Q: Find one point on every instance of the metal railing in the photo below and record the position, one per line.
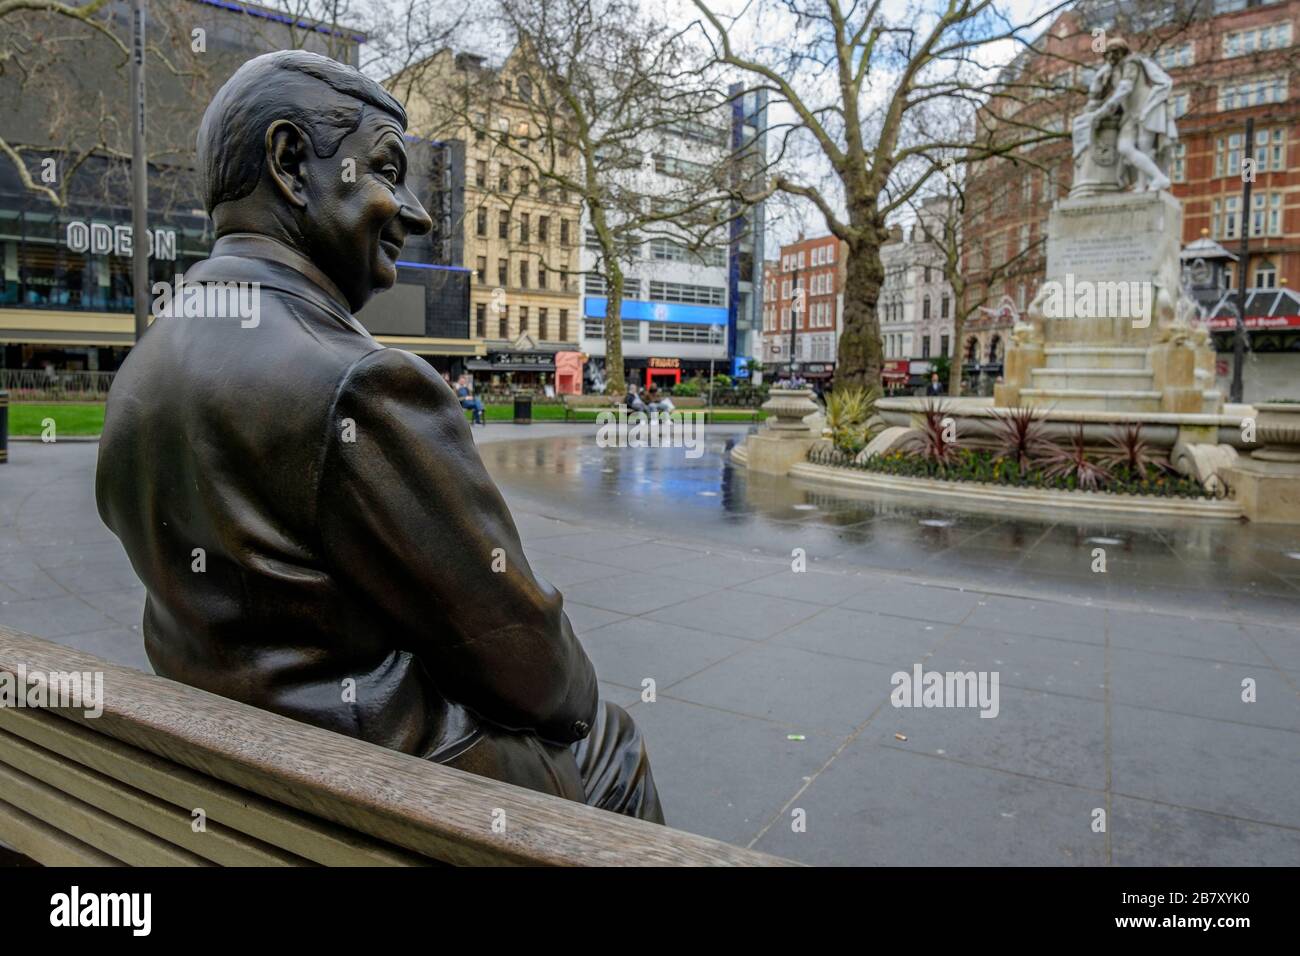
(27, 384)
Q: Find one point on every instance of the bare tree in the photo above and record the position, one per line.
(859, 80)
(605, 103)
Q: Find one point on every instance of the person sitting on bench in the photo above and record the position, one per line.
(468, 400)
(314, 528)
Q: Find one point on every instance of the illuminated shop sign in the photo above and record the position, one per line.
(635, 309)
(102, 239)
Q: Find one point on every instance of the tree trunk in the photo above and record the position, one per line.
(859, 360)
(958, 330)
(614, 381)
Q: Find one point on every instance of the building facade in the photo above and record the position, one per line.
(803, 308)
(519, 240)
(916, 306)
(689, 308)
(1230, 60)
(66, 296)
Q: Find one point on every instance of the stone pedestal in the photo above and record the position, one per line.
(786, 436)
(1102, 333)
(1267, 483)
(1269, 491)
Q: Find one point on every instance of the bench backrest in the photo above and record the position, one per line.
(172, 775)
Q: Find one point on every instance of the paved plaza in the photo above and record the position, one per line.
(1119, 691)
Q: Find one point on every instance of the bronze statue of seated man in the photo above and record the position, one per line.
(305, 507)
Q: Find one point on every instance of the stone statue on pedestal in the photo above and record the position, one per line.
(1126, 134)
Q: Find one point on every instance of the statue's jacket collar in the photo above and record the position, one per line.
(245, 257)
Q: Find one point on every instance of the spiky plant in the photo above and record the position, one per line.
(937, 440)
(1018, 436)
(848, 412)
(1071, 461)
(1127, 448)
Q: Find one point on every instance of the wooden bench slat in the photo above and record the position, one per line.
(46, 845)
(273, 824)
(215, 842)
(88, 824)
(433, 810)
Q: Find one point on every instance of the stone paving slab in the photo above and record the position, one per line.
(1119, 691)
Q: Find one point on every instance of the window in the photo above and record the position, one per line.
(1179, 171)
(523, 227)
(925, 308)
(688, 294)
(480, 266)
(503, 224)
(593, 329)
(1224, 217)
(943, 345)
(523, 273)
(503, 181)
(543, 228)
(564, 232)
(1182, 103)
(564, 325)
(1176, 56)
(1274, 36)
(480, 127)
(681, 168)
(593, 284)
(480, 173)
(1266, 276)
(541, 275)
(523, 319)
(686, 333)
(631, 331)
(943, 307)
(1253, 92)
(927, 275)
(541, 322)
(480, 320)
(503, 322)
(503, 273)
(925, 347)
(1266, 214)
(480, 224)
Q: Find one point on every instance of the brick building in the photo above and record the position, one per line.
(806, 285)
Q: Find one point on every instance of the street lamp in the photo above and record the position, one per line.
(795, 309)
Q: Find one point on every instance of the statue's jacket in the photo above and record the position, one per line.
(318, 537)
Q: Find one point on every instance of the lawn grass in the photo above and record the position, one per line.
(69, 419)
(88, 419)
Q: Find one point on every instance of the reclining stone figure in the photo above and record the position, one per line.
(305, 507)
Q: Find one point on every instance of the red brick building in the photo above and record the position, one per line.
(1229, 60)
(806, 284)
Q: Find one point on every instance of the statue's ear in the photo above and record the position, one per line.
(286, 160)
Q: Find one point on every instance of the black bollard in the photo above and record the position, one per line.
(4, 426)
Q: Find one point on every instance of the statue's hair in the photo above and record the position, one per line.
(324, 98)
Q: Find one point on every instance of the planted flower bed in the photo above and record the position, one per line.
(1022, 457)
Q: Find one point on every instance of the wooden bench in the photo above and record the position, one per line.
(127, 787)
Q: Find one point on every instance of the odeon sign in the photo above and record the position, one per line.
(101, 239)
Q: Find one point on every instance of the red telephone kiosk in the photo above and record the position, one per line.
(664, 368)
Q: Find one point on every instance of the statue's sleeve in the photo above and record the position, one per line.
(409, 517)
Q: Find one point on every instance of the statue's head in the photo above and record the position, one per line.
(1116, 50)
(311, 152)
